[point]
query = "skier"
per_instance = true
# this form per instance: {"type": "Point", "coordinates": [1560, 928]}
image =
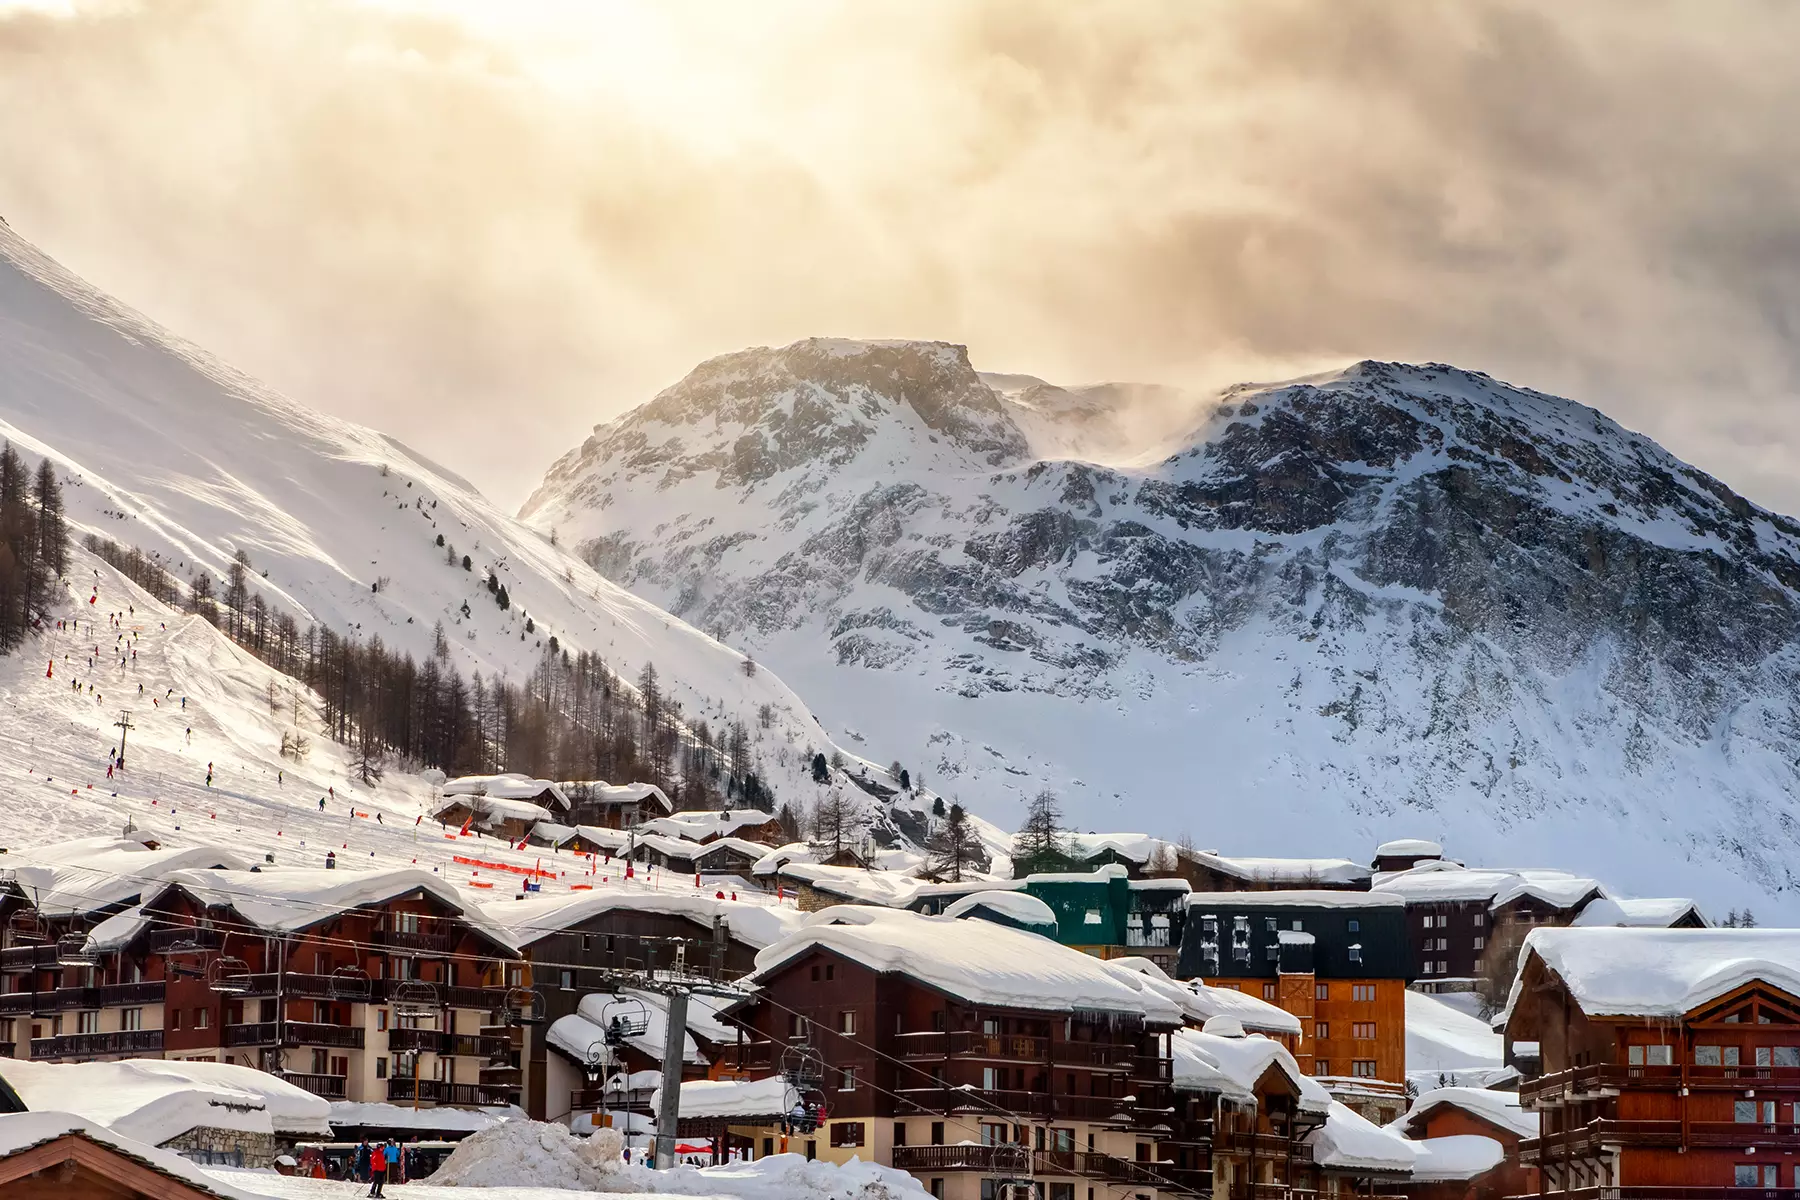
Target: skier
{"type": "Point", "coordinates": [377, 1168]}
{"type": "Point", "coordinates": [208, 774]}
{"type": "Point", "coordinates": [331, 860]}
{"type": "Point", "coordinates": [321, 804]}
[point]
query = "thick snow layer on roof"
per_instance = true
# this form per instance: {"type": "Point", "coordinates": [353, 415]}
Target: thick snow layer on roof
{"type": "Point", "coordinates": [584, 1031]}
{"type": "Point", "coordinates": [769, 1097]}
{"type": "Point", "coordinates": [979, 962]}
{"type": "Point", "coordinates": [1457, 1157]}
{"type": "Point", "coordinates": [117, 931]}
{"type": "Point", "coordinates": [1284, 870]}
{"type": "Point", "coordinates": [1349, 1141]}
{"type": "Point", "coordinates": [509, 786]}
{"type": "Point", "coordinates": [889, 888]}
{"type": "Point", "coordinates": [1200, 1002]}
{"type": "Point", "coordinates": [349, 1114]}
{"type": "Point", "coordinates": [294, 898]}
{"type": "Point", "coordinates": [601, 792]}
{"type": "Point", "coordinates": [1499, 1108]}
{"type": "Point", "coordinates": [1232, 1066]}
{"type": "Point", "coordinates": [1312, 897]}
{"type": "Point", "coordinates": [1294, 937]}
{"type": "Point", "coordinates": [1442, 1038]}
{"type": "Point", "coordinates": [694, 824]}
{"type": "Point", "coordinates": [1408, 848]}
{"type": "Point", "coordinates": [1659, 913]}
{"type": "Point", "coordinates": [1450, 882]}
{"type": "Point", "coordinates": [490, 811]}
{"type": "Point", "coordinates": [1137, 847]}
{"type": "Point", "coordinates": [1099, 874]}
{"type": "Point", "coordinates": [1661, 972]}
{"type": "Point", "coordinates": [526, 920]}
{"type": "Point", "coordinates": [153, 1100]}
{"type": "Point", "coordinates": [599, 835]}
{"type": "Point", "coordinates": [1016, 906]}
{"type": "Point", "coordinates": [22, 1131]}
{"type": "Point", "coordinates": [89, 874]}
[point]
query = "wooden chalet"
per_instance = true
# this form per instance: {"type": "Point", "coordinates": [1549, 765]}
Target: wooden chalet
{"type": "Point", "coordinates": [615, 806]}
{"type": "Point", "coordinates": [54, 1156]}
{"type": "Point", "coordinates": [1670, 1062]}
{"type": "Point", "coordinates": [706, 825]}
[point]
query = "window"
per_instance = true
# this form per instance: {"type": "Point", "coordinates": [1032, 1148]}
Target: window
{"type": "Point", "coordinates": [990, 1027]}
{"type": "Point", "coordinates": [993, 1135]}
{"type": "Point", "coordinates": [1091, 917]}
{"type": "Point", "coordinates": [587, 942]}
{"type": "Point", "coordinates": [8, 1030]}
{"type": "Point", "coordinates": [381, 1067]}
{"type": "Point", "coordinates": [174, 1019]}
{"type": "Point", "coordinates": [1442, 966]}
{"type": "Point", "coordinates": [1321, 1030]}
{"type": "Point", "coordinates": [1321, 1066]}
{"type": "Point", "coordinates": [796, 1025]}
{"type": "Point", "coordinates": [87, 1022]}
{"type": "Point", "coordinates": [1656, 1056]}
{"type": "Point", "coordinates": [1480, 920]}
{"type": "Point", "coordinates": [1321, 991]}
{"type": "Point", "coordinates": [815, 972]}
{"type": "Point", "coordinates": [1754, 1111]}
{"type": "Point", "coordinates": [1062, 1141]}
{"type": "Point", "coordinates": [203, 1018]}
{"type": "Point", "coordinates": [1274, 952]}
{"type": "Point", "coordinates": [937, 1133]}
{"type": "Point", "coordinates": [1269, 924]}
{"type": "Point", "coordinates": [1425, 968]}
{"type": "Point", "coordinates": [1062, 1191]}
{"type": "Point", "coordinates": [1354, 925]}
{"type": "Point", "coordinates": [1363, 1030]}
{"type": "Point", "coordinates": [1298, 927]}
{"type": "Point", "coordinates": [1481, 943]}
{"type": "Point", "coordinates": [1268, 991]}
{"type": "Point", "coordinates": [847, 1022]}
{"type": "Point", "coordinates": [381, 1020]}
{"type": "Point", "coordinates": [566, 981]}
{"type": "Point", "coordinates": [847, 1133]}
{"type": "Point", "coordinates": [1355, 953]}
{"type": "Point", "coordinates": [1753, 1175]}
{"type": "Point", "coordinates": [1363, 1067]}
{"type": "Point", "coordinates": [937, 1189]}
{"type": "Point", "coordinates": [847, 1083]}
{"type": "Point", "coordinates": [899, 1133]}
{"type": "Point", "coordinates": [1362, 992]}
{"type": "Point", "coordinates": [990, 1079]}
{"type": "Point", "coordinates": [130, 1019]}
{"type": "Point", "coordinates": [1787, 1056]}
{"type": "Point", "coordinates": [830, 970]}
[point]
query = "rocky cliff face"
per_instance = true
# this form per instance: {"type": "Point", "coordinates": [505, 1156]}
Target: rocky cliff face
{"type": "Point", "coordinates": [1391, 599]}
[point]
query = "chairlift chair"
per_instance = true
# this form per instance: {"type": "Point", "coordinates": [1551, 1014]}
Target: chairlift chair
{"type": "Point", "coordinates": [414, 998]}
{"type": "Point", "coordinates": [524, 1007]}
{"type": "Point", "coordinates": [72, 951]}
{"type": "Point", "coordinates": [623, 1019]}
{"type": "Point", "coordinates": [228, 976]}
{"type": "Point", "coordinates": [26, 928]}
{"type": "Point", "coordinates": [351, 984]}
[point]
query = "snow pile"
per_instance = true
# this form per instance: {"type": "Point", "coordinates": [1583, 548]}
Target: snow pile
{"type": "Point", "coordinates": [1662, 912]}
{"type": "Point", "coordinates": [154, 1100]}
{"type": "Point", "coordinates": [1446, 1044]}
{"type": "Point", "coordinates": [1660, 972]}
{"type": "Point", "coordinates": [737, 1099]}
{"type": "Point", "coordinates": [1457, 1157]}
{"type": "Point", "coordinates": [1349, 1141]}
{"type": "Point", "coordinates": [1223, 1059]}
{"type": "Point", "coordinates": [1017, 907]}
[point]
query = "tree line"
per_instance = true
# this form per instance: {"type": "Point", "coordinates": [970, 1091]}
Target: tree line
{"type": "Point", "coordinates": [572, 718]}
{"type": "Point", "coordinates": [34, 545]}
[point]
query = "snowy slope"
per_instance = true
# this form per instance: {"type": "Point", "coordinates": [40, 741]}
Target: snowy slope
{"type": "Point", "coordinates": [165, 448]}
{"type": "Point", "coordinates": [1390, 600]}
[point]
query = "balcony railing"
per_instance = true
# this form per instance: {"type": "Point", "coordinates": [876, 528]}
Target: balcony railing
{"type": "Point", "coordinates": [1607, 1132]}
{"type": "Point", "coordinates": [404, 939]}
{"type": "Point", "coordinates": [1603, 1078]}
{"type": "Point", "coordinates": [96, 1045]}
{"type": "Point", "coordinates": [1263, 1145]}
{"type": "Point", "coordinates": [1669, 1193]}
{"type": "Point", "coordinates": [969, 1044]}
{"type": "Point", "coordinates": [331, 1087]}
{"type": "Point", "coordinates": [436, 1041]}
{"type": "Point", "coordinates": [436, 1091]}
{"type": "Point", "coordinates": [295, 1033]}
{"type": "Point", "coordinates": [164, 940]}
{"type": "Point", "coordinates": [26, 958]}
{"type": "Point", "coordinates": [1046, 1105]}
{"type": "Point", "coordinates": [988, 1158]}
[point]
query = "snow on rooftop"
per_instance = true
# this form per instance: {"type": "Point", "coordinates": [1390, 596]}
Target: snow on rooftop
{"type": "Point", "coordinates": [694, 824]}
{"type": "Point", "coordinates": [1294, 937]}
{"type": "Point", "coordinates": [1444, 1039]}
{"type": "Point", "coordinates": [1137, 847]}
{"type": "Point", "coordinates": [1499, 1108]}
{"type": "Point", "coordinates": [751, 921]}
{"type": "Point", "coordinates": [507, 786]}
{"type": "Point", "coordinates": [1450, 882]}
{"type": "Point", "coordinates": [22, 1131]}
{"type": "Point", "coordinates": [89, 874]}
{"type": "Point", "coordinates": [349, 1114]}
{"type": "Point", "coordinates": [153, 1100]}
{"type": "Point", "coordinates": [1016, 906]}
{"type": "Point", "coordinates": [1409, 848]}
{"type": "Point", "coordinates": [492, 810]}
{"type": "Point", "coordinates": [598, 791]}
{"type": "Point", "coordinates": [1659, 913]}
{"type": "Point", "coordinates": [1231, 1065]}
{"type": "Point", "coordinates": [1284, 870]}
{"type": "Point", "coordinates": [1200, 1002]}
{"type": "Point", "coordinates": [1660, 972]}
{"type": "Point", "coordinates": [1457, 1157]}
{"type": "Point", "coordinates": [1348, 1141]}
{"type": "Point", "coordinates": [583, 1032]}
{"type": "Point", "coordinates": [773, 1096]}
{"type": "Point", "coordinates": [1308, 897]}
{"type": "Point", "coordinates": [981, 964]}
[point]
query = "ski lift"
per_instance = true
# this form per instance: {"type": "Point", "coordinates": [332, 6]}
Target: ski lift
{"type": "Point", "coordinates": [350, 983]}
{"type": "Point", "coordinates": [1012, 1163]}
{"type": "Point", "coordinates": [524, 1007]}
{"type": "Point", "coordinates": [26, 928]}
{"type": "Point", "coordinates": [414, 998]}
{"type": "Point", "coordinates": [623, 1019]}
{"type": "Point", "coordinates": [803, 1067]}
{"type": "Point", "coordinates": [72, 951]}
{"type": "Point", "coordinates": [228, 976]}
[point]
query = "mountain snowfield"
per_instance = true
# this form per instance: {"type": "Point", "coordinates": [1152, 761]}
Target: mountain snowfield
{"type": "Point", "coordinates": [1387, 601]}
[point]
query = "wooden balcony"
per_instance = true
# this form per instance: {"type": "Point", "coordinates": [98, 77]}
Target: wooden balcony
{"type": "Point", "coordinates": [57, 1000]}
{"type": "Point", "coordinates": [1609, 1079]}
{"type": "Point", "coordinates": [294, 1033]}
{"type": "Point", "coordinates": [164, 940]}
{"type": "Point", "coordinates": [436, 1091]}
{"type": "Point", "coordinates": [417, 942]}
{"type": "Point", "coordinates": [1592, 1137]}
{"type": "Point", "coordinates": [989, 1159]}
{"type": "Point", "coordinates": [27, 958]}
{"type": "Point", "coordinates": [963, 1043]}
{"type": "Point", "coordinates": [1262, 1145]}
{"type": "Point", "coordinates": [436, 1041]}
{"type": "Point", "coordinates": [98, 1045]}
{"type": "Point", "coordinates": [1037, 1105]}
{"type": "Point", "coordinates": [330, 1087]}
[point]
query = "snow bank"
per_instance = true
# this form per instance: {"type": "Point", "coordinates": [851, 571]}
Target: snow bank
{"type": "Point", "coordinates": [1349, 1141]}
{"type": "Point", "coordinates": [1457, 1157]}
{"type": "Point", "coordinates": [1443, 1039]}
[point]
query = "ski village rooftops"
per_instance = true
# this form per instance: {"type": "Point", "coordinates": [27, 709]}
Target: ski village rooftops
{"type": "Point", "coordinates": [1658, 973]}
{"type": "Point", "coordinates": [159, 1101]}
{"type": "Point", "coordinates": [1350, 1142]}
{"type": "Point", "coordinates": [534, 917]}
{"type": "Point", "coordinates": [1658, 913]}
{"type": "Point", "coordinates": [704, 825]}
{"type": "Point", "coordinates": [1210, 871]}
{"type": "Point", "coordinates": [1017, 909]}
{"type": "Point", "coordinates": [1447, 881]}
{"type": "Point", "coordinates": [90, 875]}
{"type": "Point", "coordinates": [541, 792]}
{"type": "Point", "coordinates": [1501, 1109]}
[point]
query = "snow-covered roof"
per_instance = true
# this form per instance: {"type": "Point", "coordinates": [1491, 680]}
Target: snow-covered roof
{"type": "Point", "coordinates": [349, 1114]}
{"type": "Point", "coordinates": [1348, 1141]}
{"type": "Point", "coordinates": [153, 1099]}
{"type": "Point", "coordinates": [22, 1131]}
{"type": "Point", "coordinates": [1409, 848]}
{"type": "Point", "coordinates": [290, 899]}
{"type": "Point", "coordinates": [1456, 1157]}
{"type": "Point", "coordinates": [1294, 937]}
{"type": "Point", "coordinates": [524, 921]}
{"type": "Point", "coordinates": [507, 786]}
{"type": "Point", "coordinates": [598, 791]}
{"type": "Point", "coordinates": [1659, 913]}
{"type": "Point", "coordinates": [694, 824]}
{"type": "Point", "coordinates": [1231, 1064]}
{"type": "Point", "coordinates": [1660, 972]}
{"type": "Point", "coordinates": [857, 884]}
{"type": "Point", "coordinates": [1015, 906]}
{"type": "Point", "coordinates": [1501, 1109]}
{"type": "Point", "coordinates": [492, 810]}
{"type": "Point", "coordinates": [599, 835]}
{"type": "Point", "coordinates": [1135, 847]}
{"type": "Point", "coordinates": [1444, 1038]}
{"type": "Point", "coordinates": [1200, 1002]}
{"type": "Point", "coordinates": [982, 964]}
{"type": "Point", "coordinates": [1450, 882]}
{"type": "Point", "coordinates": [1306, 897]}
{"type": "Point", "coordinates": [769, 1097]}
{"type": "Point", "coordinates": [1283, 870]}
{"type": "Point", "coordinates": [584, 1030]}
{"type": "Point", "coordinates": [89, 874]}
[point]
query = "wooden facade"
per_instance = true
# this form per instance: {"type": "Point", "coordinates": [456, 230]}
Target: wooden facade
{"type": "Point", "coordinates": [1704, 1105]}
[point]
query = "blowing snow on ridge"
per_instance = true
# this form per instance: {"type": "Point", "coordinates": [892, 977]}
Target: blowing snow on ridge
{"type": "Point", "coordinates": [1391, 599]}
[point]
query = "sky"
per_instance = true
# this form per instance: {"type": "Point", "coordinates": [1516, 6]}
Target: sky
{"type": "Point", "coordinates": [486, 226]}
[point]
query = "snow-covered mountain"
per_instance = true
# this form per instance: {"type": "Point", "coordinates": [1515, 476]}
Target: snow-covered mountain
{"type": "Point", "coordinates": [1391, 600]}
{"type": "Point", "coordinates": [162, 447]}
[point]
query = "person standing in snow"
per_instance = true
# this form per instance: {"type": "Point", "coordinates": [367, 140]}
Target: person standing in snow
{"type": "Point", "coordinates": [321, 804]}
{"type": "Point", "coordinates": [377, 1168]}
{"type": "Point", "coordinates": [359, 1165]}
{"type": "Point", "coordinates": [208, 774]}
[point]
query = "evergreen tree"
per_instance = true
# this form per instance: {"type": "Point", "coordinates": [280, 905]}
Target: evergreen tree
{"type": "Point", "coordinates": [821, 771]}
{"type": "Point", "coordinates": [53, 526]}
{"type": "Point", "coordinates": [1039, 845]}
{"type": "Point", "coordinates": [954, 847]}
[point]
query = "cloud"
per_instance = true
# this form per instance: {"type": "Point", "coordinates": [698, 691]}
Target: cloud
{"type": "Point", "coordinates": [484, 228]}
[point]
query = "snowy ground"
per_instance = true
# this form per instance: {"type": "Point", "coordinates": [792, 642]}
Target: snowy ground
{"type": "Point", "coordinates": [282, 1187]}
{"type": "Point", "coordinates": [1447, 1044]}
